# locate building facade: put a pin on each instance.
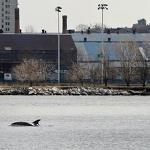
(9, 16)
(89, 49)
(89, 45)
(16, 47)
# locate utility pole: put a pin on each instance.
(102, 7)
(58, 9)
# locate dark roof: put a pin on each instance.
(15, 47)
(35, 41)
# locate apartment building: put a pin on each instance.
(9, 16)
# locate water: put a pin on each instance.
(75, 123)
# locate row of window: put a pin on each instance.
(6, 6)
(6, 23)
(6, 12)
(6, 29)
(6, 17)
(5, 1)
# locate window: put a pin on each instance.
(7, 12)
(7, 48)
(109, 39)
(7, 17)
(7, 76)
(7, 6)
(7, 23)
(7, 29)
(85, 39)
(7, 0)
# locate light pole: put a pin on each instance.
(102, 7)
(58, 9)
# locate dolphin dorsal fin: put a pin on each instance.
(36, 122)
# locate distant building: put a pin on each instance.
(9, 16)
(141, 26)
(119, 30)
(89, 47)
(142, 22)
(15, 47)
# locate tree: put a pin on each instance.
(143, 69)
(106, 66)
(127, 54)
(96, 28)
(106, 70)
(29, 29)
(32, 70)
(78, 73)
(82, 27)
(95, 73)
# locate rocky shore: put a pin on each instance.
(68, 91)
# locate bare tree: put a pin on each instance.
(78, 73)
(143, 71)
(82, 27)
(143, 68)
(106, 69)
(96, 28)
(31, 70)
(106, 65)
(127, 53)
(95, 73)
(29, 29)
(51, 68)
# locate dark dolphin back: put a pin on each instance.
(21, 124)
(36, 122)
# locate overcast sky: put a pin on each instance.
(41, 13)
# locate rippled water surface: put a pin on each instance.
(75, 123)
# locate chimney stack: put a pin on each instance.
(64, 26)
(17, 21)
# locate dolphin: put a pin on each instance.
(34, 123)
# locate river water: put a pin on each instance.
(76, 123)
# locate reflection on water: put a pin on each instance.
(75, 123)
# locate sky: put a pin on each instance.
(40, 14)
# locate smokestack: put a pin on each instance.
(17, 21)
(64, 26)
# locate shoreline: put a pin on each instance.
(77, 91)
